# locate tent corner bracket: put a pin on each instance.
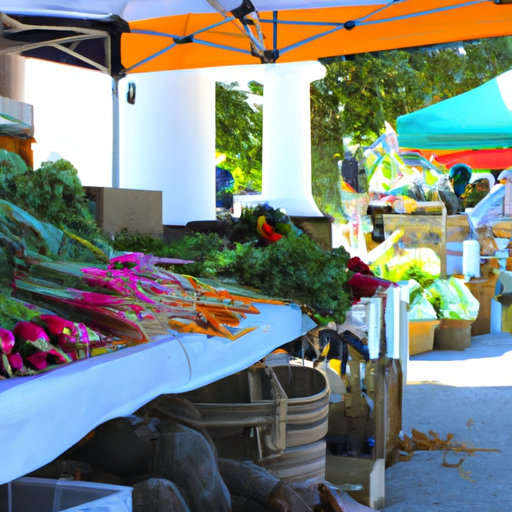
(183, 40)
(245, 8)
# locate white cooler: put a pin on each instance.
(46, 495)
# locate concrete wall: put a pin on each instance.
(72, 118)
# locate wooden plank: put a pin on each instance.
(483, 289)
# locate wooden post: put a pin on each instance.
(12, 86)
(12, 77)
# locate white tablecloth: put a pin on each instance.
(44, 415)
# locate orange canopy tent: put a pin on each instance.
(310, 33)
(155, 35)
(120, 37)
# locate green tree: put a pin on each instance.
(238, 128)
(358, 95)
(352, 102)
(327, 130)
(373, 88)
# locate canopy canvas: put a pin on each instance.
(125, 36)
(493, 159)
(480, 119)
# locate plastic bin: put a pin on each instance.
(421, 335)
(46, 495)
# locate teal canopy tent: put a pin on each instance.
(478, 119)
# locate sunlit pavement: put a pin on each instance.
(468, 395)
(486, 363)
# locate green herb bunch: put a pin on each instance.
(435, 298)
(296, 268)
(137, 242)
(414, 271)
(212, 256)
(52, 193)
(13, 311)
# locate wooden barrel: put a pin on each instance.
(276, 416)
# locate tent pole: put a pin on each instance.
(115, 132)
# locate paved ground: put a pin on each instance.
(469, 394)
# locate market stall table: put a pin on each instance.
(45, 414)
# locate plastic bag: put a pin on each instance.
(383, 169)
(398, 264)
(405, 205)
(475, 192)
(443, 184)
(383, 164)
(443, 191)
(421, 309)
(354, 204)
(410, 185)
(414, 288)
(452, 299)
(468, 302)
(489, 209)
(432, 176)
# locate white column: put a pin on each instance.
(287, 137)
(168, 141)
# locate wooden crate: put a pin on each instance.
(22, 147)
(421, 231)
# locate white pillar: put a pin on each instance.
(168, 141)
(287, 137)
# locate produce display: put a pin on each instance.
(130, 301)
(66, 294)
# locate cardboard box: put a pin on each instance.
(457, 228)
(453, 335)
(138, 211)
